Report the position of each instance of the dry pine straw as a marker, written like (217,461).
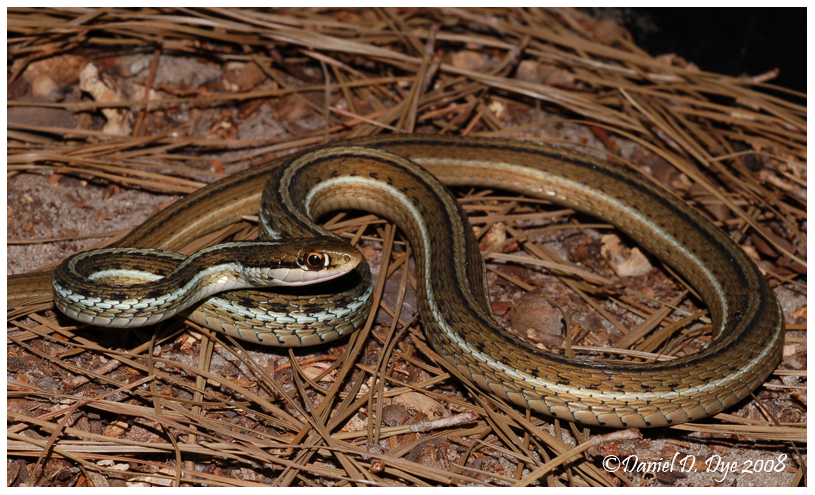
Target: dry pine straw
(411,76)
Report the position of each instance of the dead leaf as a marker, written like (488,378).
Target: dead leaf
(422,403)
(625,262)
(533,311)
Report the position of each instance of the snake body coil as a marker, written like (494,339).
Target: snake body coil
(381,175)
(130,287)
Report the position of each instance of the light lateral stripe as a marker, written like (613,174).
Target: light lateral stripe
(546,178)
(558,184)
(147,276)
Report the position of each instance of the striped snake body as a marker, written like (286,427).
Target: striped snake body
(132,287)
(394,177)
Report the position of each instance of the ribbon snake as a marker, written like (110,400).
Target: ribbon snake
(401,178)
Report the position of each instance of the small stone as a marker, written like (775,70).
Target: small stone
(44,87)
(395,415)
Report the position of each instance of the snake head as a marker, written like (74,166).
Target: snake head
(305,261)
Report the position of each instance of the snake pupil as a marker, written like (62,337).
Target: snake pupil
(315,261)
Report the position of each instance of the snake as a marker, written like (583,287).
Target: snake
(132,287)
(404,178)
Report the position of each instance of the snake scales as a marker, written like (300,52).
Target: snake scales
(131,287)
(380,175)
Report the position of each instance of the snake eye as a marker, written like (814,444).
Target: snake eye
(315,261)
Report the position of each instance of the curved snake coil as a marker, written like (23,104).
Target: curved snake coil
(381,175)
(132,287)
